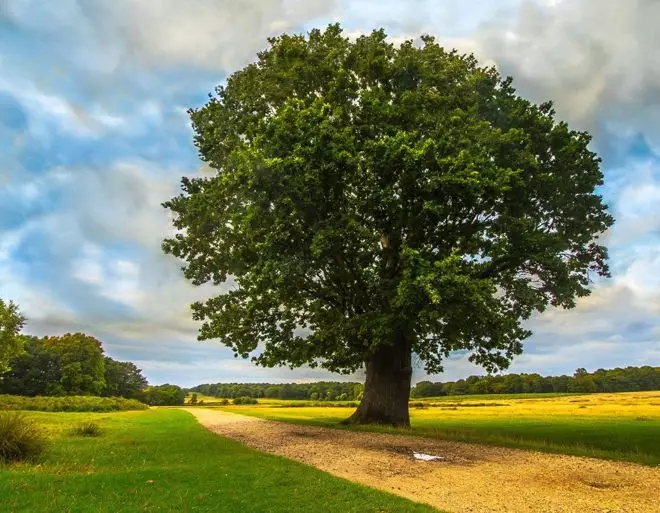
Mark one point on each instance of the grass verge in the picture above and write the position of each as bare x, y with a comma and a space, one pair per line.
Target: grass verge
163, 460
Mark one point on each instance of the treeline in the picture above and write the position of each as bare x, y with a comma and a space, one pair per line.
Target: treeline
320, 391
629, 379
74, 364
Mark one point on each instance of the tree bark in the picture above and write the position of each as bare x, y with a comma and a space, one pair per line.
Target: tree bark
387, 387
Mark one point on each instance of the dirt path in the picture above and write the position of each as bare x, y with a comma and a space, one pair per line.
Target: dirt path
470, 478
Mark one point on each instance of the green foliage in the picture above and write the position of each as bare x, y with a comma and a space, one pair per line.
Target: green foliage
193, 399
244, 400
374, 194
163, 395
314, 391
11, 343
69, 403
81, 360
163, 460
37, 371
72, 364
20, 438
630, 379
86, 428
123, 379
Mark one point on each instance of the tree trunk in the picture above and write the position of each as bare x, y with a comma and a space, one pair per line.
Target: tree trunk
387, 387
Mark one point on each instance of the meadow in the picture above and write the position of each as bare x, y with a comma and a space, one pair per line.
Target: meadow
623, 426
163, 460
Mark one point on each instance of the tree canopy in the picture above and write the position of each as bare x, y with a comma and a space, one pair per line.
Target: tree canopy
629, 379
163, 395
369, 201
11, 323
70, 364
123, 379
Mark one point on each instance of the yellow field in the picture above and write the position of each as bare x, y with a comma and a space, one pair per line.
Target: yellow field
618, 426
628, 404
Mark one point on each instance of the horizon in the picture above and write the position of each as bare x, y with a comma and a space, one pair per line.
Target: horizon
95, 138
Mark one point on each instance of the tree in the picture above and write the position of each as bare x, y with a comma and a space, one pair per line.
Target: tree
36, 371
163, 395
123, 379
371, 201
11, 323
82, 364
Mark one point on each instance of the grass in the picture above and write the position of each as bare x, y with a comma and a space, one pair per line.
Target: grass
163, 460
20, 438
86, 428
611, 426
69, 403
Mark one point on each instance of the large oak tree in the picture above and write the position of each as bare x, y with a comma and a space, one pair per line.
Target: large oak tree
371, 201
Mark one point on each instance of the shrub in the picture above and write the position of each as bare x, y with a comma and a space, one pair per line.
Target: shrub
245, 400
20, 438
224, 402
69, 403
87, 428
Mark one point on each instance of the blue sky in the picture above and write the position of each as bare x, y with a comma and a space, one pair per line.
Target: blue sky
94, 136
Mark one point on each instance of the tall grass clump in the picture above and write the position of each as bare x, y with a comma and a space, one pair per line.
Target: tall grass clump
87, 428
20, 438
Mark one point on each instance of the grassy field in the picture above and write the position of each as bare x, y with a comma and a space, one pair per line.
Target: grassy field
163, 460
623, 426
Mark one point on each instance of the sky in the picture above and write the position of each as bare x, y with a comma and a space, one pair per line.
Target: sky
94, 136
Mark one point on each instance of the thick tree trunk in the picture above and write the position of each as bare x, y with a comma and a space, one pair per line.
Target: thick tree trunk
387, 387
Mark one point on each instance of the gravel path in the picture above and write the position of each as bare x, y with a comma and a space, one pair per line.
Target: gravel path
469, 478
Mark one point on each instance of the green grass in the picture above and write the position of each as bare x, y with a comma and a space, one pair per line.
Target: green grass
611, 426
163, 460
69, 403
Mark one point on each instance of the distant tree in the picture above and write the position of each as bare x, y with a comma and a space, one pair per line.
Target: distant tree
163, 395
123, 379
388, 200
11, 343
36, 371
193, 399
82, 363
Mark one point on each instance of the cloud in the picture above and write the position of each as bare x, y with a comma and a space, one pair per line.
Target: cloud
206, 33
595, 58
219, 35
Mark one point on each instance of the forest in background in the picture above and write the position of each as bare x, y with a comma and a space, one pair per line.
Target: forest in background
75, 364
628, 379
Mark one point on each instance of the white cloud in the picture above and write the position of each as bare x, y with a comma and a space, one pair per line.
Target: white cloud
218, 34
595, 58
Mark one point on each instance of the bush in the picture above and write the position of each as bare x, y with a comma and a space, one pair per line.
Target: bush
69, 403
87, 428
20, 438
245, 400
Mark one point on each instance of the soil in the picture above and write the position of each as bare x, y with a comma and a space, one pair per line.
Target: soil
468, 478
